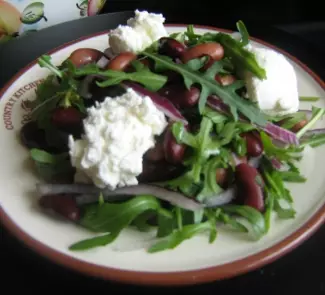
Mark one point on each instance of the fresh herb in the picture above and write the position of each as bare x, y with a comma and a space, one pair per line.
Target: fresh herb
314, 140
243, 32
318, 113
230, 220
292, 119
180, 235
210, 86
142, 75
112, 218
309, 98
290, 176
45, 62
254, 218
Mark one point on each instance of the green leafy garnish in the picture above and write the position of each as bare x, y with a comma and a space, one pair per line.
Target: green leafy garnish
210, 86
318, 113
243, 32
308, 98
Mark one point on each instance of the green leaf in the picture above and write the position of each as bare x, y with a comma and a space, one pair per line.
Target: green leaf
243, 32
292, 120
180, 37
308, 98
228, 133
47, 158
209, 86
227, 219
113, 217
254, 217
284, 213
141, 221
179, 236
290, 176
314, 140
318, 113
165, 226
98, 241
45, 62
214, 116
269, 205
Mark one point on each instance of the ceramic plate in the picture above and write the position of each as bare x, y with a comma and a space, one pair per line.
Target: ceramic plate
195, 260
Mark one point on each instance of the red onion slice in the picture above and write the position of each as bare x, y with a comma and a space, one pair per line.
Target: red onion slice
221, 199
102, 62
172, 197
274, 131
161, 102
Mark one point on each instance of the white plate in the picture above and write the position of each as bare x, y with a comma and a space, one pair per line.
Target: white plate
195, 260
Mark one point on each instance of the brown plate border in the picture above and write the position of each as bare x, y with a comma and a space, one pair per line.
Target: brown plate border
191, 277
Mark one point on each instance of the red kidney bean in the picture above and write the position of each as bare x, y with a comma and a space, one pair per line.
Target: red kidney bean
171, 47
174, 152
64, 117
180, 96
64, 205
225, 80
32, 136
253, 144
121, 61
212, 49
221, 176
249, 189
156, 153
83, 56
299, 125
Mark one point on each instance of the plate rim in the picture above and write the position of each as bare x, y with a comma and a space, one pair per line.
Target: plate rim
170, 278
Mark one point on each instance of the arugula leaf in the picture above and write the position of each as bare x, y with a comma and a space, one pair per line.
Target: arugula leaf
45, 62
284, 213
112, 218
254, 217
210, 86
269, 206
243, 32
314, 140
47, 158
98, 241
290, 176
178, 236
318, 113
165, 226
210, 186
180, 37
228, 220
308, 98
293, 119
141, 221
143, 75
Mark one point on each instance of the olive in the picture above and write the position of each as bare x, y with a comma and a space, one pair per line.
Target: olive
254, 144
170, 47
121, 61
212, 49
174, 152
64, 205
84, 56
249, 186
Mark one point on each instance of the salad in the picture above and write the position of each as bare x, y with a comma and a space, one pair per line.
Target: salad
165, 138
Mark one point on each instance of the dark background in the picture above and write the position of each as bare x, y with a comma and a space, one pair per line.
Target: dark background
299, 272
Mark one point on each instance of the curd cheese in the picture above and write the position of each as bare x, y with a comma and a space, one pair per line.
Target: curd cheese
139, 33
117, 133
278, 93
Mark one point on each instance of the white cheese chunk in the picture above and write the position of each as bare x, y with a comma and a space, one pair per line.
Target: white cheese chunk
278, 93
139, 33
117, 133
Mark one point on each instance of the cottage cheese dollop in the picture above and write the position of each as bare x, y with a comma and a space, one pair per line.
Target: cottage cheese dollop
117, 133
278, 93
139, 33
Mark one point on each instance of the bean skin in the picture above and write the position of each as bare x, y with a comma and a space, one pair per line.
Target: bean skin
299, 125
156, 153
249, 190
180, 96
171, 47
212, 49
63, 205
121, 61
174, 152
84, 56
225, 80
253, 144
221, 176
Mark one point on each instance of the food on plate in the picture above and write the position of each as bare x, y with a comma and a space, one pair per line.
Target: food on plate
172, 133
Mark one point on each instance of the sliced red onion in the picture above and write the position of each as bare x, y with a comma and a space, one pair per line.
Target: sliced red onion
224, 198
161, 102
102, 62
281, 134
255, 161
314, 132
276, 132
174, 198
276, 163
109, 53
85, 199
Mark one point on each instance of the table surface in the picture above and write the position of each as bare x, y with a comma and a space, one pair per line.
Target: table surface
301, 271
